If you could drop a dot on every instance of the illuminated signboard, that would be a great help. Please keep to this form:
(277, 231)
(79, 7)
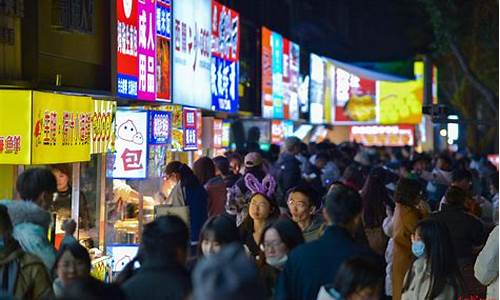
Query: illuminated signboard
(163, 41)
(190, 119)
(130, 158)
(226, 134)
(160, 127)
(394, 136)
(192, 53)
(225, 56)
(280, 76)
(136, 49)
(277, 132)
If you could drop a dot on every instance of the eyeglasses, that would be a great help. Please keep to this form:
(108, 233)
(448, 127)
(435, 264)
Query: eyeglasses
(299, 205)
(269, 245)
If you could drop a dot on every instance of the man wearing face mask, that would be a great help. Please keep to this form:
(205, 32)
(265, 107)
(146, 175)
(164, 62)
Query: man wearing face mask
(30, 217)
(22, 275)
(316, 263)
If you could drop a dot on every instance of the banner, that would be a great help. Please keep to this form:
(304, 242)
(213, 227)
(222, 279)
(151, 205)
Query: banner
(61, 128)
(15, 127)
(163, 41)
(131, 145)
(190, 119)
(160, 127)
(192, 53)
(102, 130)
(224, 62)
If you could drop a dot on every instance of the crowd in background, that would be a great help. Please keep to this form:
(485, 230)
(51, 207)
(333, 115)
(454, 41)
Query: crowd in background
(304, 221)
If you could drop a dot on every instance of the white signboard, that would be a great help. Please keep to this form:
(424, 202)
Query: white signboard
(131, 144)
(192, 53)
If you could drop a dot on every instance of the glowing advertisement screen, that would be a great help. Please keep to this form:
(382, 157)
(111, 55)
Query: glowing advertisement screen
(224, 60)
(192, 53)
(280, 76)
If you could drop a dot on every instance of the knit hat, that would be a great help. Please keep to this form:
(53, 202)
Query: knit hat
(253, 159)
(229, 274)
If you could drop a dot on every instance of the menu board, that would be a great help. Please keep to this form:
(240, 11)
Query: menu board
(280, 76)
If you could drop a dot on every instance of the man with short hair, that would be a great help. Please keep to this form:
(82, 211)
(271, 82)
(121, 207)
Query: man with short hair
(288, 169)
(163, 274)
(315, 264)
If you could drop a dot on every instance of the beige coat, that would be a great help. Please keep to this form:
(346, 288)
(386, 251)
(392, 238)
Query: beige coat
(419, 278)
(486, 267)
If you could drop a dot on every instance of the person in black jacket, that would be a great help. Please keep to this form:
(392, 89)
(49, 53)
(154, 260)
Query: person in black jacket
(288, 170)
(163, 275)
(315, 264)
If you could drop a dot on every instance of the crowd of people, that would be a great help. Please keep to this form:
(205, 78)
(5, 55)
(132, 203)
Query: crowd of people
(319, 221)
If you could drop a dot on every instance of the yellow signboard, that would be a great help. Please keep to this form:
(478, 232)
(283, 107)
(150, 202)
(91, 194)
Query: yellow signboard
(102, 131)
(401, 102)
(15, 127)
(61, 128)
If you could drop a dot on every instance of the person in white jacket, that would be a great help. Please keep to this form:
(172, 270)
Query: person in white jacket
(486, 267)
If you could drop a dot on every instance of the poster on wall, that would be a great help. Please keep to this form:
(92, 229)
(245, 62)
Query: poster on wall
(126, 52)
(160, 127)
(163, 41)
(224, 61)
(192, 53)
(190, 119)
(280, 76)
(61, 128)
(131, 145)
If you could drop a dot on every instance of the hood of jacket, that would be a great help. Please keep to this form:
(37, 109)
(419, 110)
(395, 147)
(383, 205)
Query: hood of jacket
(27, 212)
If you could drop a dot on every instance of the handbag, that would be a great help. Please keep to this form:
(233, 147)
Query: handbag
(181, 211)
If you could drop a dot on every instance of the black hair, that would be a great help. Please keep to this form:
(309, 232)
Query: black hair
(493, 180)
(290, 233)
(5, 222)
(455, 196)
(460, 174)
(188, 179)
(222, 164)
(222, 228)
(343, 204)
(90, 288)
(446, 158)
(323, 156)
(440, 257)
(375, 197)
(163, 237)
(353, 175)
(407, 191)
(35, 181)
(306, 190)
(204, 169)
(78, 251)
(358, 273)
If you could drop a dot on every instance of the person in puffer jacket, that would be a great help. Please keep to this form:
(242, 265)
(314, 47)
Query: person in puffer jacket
(30, 217)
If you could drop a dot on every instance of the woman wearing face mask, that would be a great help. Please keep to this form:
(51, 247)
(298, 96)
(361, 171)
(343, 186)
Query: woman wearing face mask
(278, 239)
(72, 263)
(262, 210)
(217, 232)
(435, 273)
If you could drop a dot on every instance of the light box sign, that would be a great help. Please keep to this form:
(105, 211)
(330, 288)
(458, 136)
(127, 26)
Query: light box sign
(130, 161)
(390, 136)
(226, 134)
(61, 128)
(163, 41)
(277, 132)
(160, 127)
(288, 128)
(190, 119)
(218, 133)
(103, 126)
(192, 53)
(127, 48)
(225, 56)
(15, 127)
(177, 124)
(280, 76)
(317, 111)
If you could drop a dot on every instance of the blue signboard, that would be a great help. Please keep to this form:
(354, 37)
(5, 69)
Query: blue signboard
(160, 128)
(224, 85)
(127, 86)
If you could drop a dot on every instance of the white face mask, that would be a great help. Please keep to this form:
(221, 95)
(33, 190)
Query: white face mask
(278, 263)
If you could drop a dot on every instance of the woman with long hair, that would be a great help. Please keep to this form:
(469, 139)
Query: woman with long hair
(374, 198)
(435, 273)
(188, 192)
(205, 170)
(217, 232)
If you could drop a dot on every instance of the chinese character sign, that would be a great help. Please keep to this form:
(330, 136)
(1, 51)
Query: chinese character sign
(317, 111)
(192, 53)
(390, 136)
(190, 129)
(160, 127)
(61, 128)
(225, 55)
(146, 50)
(127, 48)
(102, 130)
(130, 159)
(15, 129)
(163, 40)
(267, 74)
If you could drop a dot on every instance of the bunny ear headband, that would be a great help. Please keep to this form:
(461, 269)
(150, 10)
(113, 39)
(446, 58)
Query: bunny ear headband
(267, 187)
